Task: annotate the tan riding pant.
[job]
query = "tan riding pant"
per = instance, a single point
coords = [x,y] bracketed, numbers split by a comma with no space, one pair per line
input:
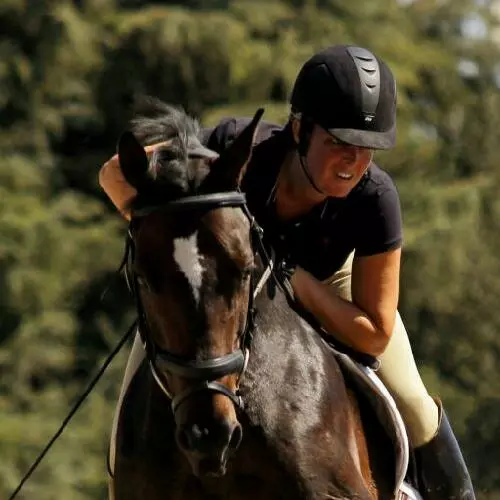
[397,371]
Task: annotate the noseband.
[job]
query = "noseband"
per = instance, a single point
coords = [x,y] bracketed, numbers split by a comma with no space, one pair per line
[204,373]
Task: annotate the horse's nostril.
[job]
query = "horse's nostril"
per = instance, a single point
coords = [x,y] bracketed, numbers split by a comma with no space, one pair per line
[203,439]
[236,437]
[190,437]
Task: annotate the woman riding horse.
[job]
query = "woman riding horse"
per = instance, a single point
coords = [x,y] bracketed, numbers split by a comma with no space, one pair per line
[333,216]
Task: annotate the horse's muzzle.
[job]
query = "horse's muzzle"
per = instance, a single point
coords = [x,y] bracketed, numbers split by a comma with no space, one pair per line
[208,446]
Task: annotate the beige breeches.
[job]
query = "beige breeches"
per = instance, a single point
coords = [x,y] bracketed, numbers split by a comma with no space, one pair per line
[397,371]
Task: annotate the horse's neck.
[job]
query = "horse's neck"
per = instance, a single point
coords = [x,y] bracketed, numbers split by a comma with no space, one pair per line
[285,351]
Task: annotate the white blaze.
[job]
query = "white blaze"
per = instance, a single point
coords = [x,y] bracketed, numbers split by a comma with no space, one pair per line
[189,261]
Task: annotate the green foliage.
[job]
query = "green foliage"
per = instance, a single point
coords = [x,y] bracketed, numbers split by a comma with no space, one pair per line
[68,70]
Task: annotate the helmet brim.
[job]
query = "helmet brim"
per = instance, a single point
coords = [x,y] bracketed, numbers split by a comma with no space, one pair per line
[366,138]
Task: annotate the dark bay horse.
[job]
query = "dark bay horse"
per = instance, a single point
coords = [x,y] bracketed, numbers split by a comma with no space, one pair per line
[226,405]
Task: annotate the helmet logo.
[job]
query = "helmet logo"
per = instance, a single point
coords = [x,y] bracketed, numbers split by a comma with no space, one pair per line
[368,118]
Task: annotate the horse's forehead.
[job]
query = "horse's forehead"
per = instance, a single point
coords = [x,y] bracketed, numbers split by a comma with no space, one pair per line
[188,250]
[231,229]
[189,259]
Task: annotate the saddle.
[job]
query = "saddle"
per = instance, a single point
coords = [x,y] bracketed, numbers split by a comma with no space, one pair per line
[369,384]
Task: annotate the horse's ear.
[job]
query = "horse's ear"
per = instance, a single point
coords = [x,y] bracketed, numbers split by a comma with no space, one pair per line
[230,167]
[133,160]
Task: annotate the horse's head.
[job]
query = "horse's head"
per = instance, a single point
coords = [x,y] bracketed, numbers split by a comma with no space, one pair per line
[191,267]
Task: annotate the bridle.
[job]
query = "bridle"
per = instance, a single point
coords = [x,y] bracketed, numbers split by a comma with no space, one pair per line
[204,373]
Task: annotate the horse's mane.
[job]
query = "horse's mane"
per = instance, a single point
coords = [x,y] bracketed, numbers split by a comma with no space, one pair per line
[170,168]
[156,121]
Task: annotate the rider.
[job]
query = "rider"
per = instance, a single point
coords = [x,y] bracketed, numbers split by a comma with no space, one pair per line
[335,214]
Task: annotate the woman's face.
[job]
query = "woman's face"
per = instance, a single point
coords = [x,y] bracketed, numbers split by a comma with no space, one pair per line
[335,167]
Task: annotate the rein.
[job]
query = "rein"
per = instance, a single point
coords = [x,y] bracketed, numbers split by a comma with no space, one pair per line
[72,412]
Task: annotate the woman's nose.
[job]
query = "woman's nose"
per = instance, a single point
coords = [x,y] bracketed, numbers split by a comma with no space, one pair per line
[350,155]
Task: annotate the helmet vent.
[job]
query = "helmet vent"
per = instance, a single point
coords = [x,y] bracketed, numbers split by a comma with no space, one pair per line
[369,78]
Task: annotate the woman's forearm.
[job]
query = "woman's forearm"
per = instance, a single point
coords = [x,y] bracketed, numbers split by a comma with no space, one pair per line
[114,184]
[341,318]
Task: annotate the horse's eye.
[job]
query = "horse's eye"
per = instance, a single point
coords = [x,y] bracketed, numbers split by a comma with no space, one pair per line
[143,282]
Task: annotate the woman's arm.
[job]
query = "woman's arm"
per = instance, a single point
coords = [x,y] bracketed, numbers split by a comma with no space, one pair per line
[365,324]
[113,183]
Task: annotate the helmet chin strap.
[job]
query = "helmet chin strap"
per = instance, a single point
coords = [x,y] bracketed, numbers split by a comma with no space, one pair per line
[305,169]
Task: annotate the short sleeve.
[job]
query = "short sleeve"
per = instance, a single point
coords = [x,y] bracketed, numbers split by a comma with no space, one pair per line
[381,224]
[218,138]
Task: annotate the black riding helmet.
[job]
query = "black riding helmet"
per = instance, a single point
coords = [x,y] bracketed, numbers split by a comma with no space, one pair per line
[351,93]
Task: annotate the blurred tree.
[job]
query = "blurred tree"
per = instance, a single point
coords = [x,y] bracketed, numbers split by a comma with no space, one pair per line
[68,71]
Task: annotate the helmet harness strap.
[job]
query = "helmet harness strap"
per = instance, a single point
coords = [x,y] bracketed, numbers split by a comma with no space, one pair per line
[305,132]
